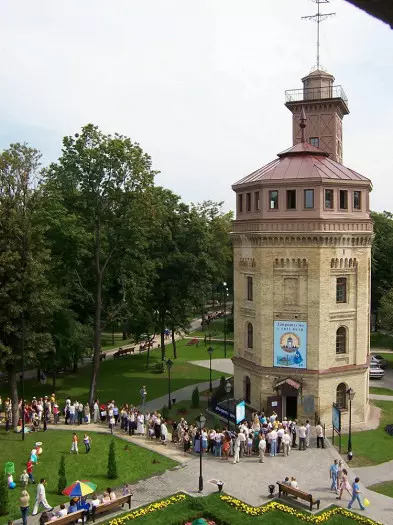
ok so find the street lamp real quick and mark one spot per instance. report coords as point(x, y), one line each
point(351, 395)
point(228, 388)
point(210, 352)
point(200, 421)
point(169, 364)
point(225, 317)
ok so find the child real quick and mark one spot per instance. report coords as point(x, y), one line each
point(87, 442)
point(112, 423)
point(126, 489)
point(24, 479)
point(74, 445)
point(249, 446)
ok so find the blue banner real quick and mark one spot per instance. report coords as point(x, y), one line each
point(290, 344)
point(240, 412)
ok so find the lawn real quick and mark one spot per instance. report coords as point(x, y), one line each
point(216, 329)
point(381, 391)
point(379, 340)
point(385, 488)
point(121, 379)
point(214, 508)
point(372, 447)
point(133, 462)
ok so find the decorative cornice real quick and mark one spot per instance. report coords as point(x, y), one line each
point(346, 240)
point(247, 312)
point(304, 226)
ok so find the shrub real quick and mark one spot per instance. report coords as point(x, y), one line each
point(4, 499)
point(197, 504)
point(112, 467)
point(195, 398)
point(62, 482)
point(160, 367)
point(165, 412)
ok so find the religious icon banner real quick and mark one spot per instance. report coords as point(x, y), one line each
point(290, 344)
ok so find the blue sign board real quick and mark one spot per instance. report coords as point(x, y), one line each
point(290, 344)
point(240, 412)
point(336, 418)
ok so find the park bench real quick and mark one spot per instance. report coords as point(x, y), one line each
point(104, 507)
point(146, 345)
point(193, 342)
point(102, 356)
point(286, 489)
point(73, 517)
point(124, 350)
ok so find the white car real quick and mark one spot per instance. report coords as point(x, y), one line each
point(377, 359)
point(375, 371)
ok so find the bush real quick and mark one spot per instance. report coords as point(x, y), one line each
point(4, 499)
point(165, 412)
point(195, 398)
point(112, 467)
point(62, 483)
point(197, 504)
point(160, 367)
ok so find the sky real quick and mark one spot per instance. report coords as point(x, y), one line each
point(199, 85)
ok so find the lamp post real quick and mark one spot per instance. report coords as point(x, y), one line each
point(200, 421)
point(210, 352)
point(228, 388)
point(351, 395)
point(225, 317)
point(169, 364)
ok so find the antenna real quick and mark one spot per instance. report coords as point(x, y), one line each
point(318, 18)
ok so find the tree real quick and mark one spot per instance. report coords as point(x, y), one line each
point(4, 498)
point(112, 467)
point(27, 296)
point(382, 249)
point(99, 182)
point(62, 483)
point(195, 398)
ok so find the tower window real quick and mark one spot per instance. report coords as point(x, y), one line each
point(357, 200)
point(248, 201)
point(250, 336)
point(314, 141)
point(341, 396)
point(341, 290)
point(329, 199)
point(249, 289)
point(309, 199)
point(240, 202)
point(273, 200)
point(343, 200)
point(341, 340)
point(291, 199)
point(256, 201)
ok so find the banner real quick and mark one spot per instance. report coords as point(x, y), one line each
point(240, 412)
point(336, 418)
point(290, 344)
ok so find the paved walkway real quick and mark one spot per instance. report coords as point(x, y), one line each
point(379, 397)
point(221, 365)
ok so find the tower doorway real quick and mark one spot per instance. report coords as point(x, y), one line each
point(247, 390)
point(291, 407)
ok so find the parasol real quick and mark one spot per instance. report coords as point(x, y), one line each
point(80, 488)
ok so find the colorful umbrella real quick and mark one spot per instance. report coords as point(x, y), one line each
point(80, 488)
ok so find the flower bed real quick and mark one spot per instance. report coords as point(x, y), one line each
point(308, 518)
point(153, 507)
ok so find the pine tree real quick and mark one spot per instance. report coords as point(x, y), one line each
point(195, 398)
point(4, 499)
point(62, 483)
point(112, 468)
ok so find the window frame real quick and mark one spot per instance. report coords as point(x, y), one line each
point(249, 288)
point(270, 200)
point(345, 194)
point(342, 398)
point(305, 199)
point(341, 340)
point(250, 336)
point(332, 199)
point(339, 286)
point(257, 201)
point(288, 196)
point(248, 202)
point(359, 192)
point(240, 202)
point(312, 139)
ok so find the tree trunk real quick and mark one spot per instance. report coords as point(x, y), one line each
point(13, 384)
point(162, 344)
point(174, 343)
point(38, 370)
point(74, 364)
point(54, 379)
point(203, 320)
point(97, 342)
point(113, 334)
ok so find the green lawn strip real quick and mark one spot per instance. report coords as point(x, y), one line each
point(133, 462)
point(371, 447)
point(213, 508)
point(385, 488)
point(215, 329)
point(380, 340)
point(121, 379)
point(381, 391)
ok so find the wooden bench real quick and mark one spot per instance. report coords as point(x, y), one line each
point(104, 507)
point(124, 350)
point(73, 517)
point(286, 489)
point(193, 342)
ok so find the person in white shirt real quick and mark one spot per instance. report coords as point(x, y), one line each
point(308, 433)
point(242, 439)
point(164, 432)
point(41, 497)
point(302, 437)
point(319, 431)
point(62, 512)
point(72, 414)
point(95, 500)
point(286, 443)
point(273, 442)
point(262, 448)
point(111, 494)
point(280, 433)
point(236, 450)
point(294, 483)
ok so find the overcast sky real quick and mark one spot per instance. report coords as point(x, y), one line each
point(200, 85)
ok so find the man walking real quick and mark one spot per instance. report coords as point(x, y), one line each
point(320, 440)
point(74, 445)
point(273, 442)
point(302, 437)
point(286, 441)
point(236, 450)
point(334, 475)
point(262, 448)
point(41, 497)
point(356, 495)
point(308, 433)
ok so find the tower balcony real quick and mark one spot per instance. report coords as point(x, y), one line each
point(316, 94)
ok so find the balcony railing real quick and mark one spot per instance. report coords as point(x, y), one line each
point(316, 93)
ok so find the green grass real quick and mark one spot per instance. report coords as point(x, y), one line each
point(107, 342)
point(379, 340)
point(381, 391)
point(121, 379)
point(215, 328)
point(385, 488)
point(133, 462)
point(212, 507)
point(372, 447)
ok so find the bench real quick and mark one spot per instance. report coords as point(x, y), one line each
point(104, 507)
point(286, 489)
point(193, 342)
point(146, 345)
point(124, 350)
point(73, 517)
point(102, 356)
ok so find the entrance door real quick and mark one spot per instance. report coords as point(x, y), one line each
point(291, 407)
point(274, 403)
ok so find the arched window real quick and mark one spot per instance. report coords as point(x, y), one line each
point(341, 396)
point(247, 389)
point(250, 336)
point(341, 340)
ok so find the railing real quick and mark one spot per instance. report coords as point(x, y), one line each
point(316, 93)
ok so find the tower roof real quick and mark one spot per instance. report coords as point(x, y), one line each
point(302, 161)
